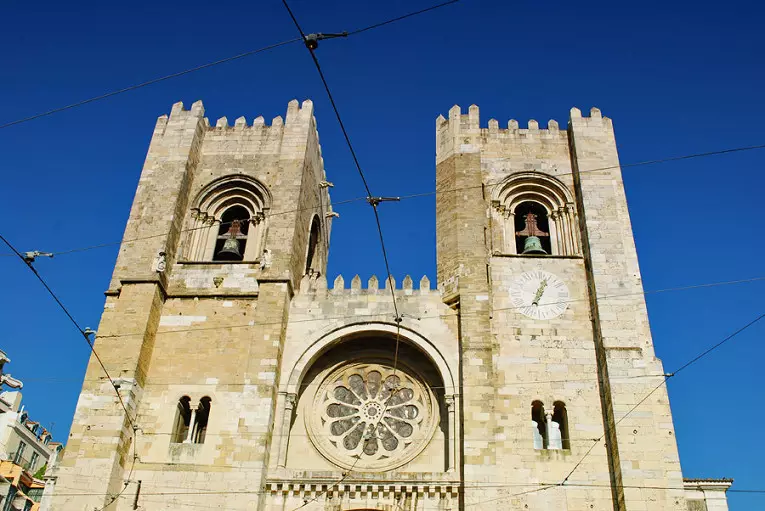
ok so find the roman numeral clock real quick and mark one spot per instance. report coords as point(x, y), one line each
point(539, 294)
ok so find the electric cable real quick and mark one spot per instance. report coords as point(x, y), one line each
point(130, 474)
point(208, 65)
point(83, 332)
point(663, 382)
point(428, 194)
point(439, 316)
point(373, 202)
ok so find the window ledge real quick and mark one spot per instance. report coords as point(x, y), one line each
point(537, 256)
point(209, 263)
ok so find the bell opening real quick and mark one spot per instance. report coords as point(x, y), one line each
point(232, 234)
point(541, 228)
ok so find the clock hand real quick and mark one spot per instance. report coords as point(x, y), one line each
point(540, 292)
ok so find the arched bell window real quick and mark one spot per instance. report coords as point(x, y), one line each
point(532, 229)
point(232, 234)
point(533, 214)
point(229, 221)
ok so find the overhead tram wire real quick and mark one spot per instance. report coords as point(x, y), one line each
point(437, 316)
point(428, 194)
point(373, 202)
point(209, 65)
point(82, 331)
point(147, 83)
point(663, 382)
point(371, 199)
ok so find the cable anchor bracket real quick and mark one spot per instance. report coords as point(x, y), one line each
point(29, 257)
point(312, 40)
point(374, 201)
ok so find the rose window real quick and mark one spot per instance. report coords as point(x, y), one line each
point(367, 417)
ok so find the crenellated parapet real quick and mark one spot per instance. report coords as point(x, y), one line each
point(529, 146)
point(373, 286)
point(283, 135)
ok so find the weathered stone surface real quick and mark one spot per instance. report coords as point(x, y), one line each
point(260, 338)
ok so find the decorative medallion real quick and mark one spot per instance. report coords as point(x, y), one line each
point(539, 294)
point(366, 417)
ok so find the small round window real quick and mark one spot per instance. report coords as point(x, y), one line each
point(367, 417)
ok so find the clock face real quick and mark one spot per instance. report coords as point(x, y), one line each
point(539, 294)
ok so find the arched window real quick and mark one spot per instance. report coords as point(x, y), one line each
point(202, 416)
point(560, 417)
point(182, 421)
point(228, 221)
point(532, 229)
point(232, 234)
point(538, 425)
point(554, 220)
point(190, 425)
point(313, 259)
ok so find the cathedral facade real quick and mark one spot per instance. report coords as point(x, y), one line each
point(251, 382)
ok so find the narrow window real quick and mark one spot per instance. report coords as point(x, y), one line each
point(182, 420)
point(532, 229)
point(560, 418)
point(19, 453)
point(202, 415)
point(539, 430)
point(33, 461)
point(232, 234)
point(312, 264)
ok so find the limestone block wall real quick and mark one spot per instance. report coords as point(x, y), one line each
point(218, 328)
point(647, 450)
point(602, 336)
point(322, 318)
point(547, 361)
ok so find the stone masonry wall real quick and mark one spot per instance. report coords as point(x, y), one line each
point(195, 329)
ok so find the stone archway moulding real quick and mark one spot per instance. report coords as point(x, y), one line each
point(337, 335)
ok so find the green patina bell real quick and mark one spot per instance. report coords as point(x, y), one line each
point(533, 245)
point(230, 248)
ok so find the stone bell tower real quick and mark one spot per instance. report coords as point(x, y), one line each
point(535, 252)
point(225, 222)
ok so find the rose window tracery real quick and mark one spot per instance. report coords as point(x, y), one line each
point(368, 417)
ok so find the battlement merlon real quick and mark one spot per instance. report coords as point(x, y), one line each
point(312, 284)
point(460, 133)
point(297, 114)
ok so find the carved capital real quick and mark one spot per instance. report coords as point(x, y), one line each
point(289, 401)
point(257, 218)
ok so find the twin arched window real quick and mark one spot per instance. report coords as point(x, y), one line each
point(550, 427)
point(535, 214)
point(190, 426)
point(229, 221)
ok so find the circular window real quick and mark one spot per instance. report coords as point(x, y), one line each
point(367, 417)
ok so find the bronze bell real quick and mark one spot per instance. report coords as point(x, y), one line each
point(230, 249)
point(533, 245)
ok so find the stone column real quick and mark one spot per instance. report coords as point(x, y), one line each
point(192, 421)
point(289, 405)
point(510, 233)
point(573, 227)
point(452, 440)
point(554, 236)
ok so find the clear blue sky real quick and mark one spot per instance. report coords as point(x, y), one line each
point(675, 79)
